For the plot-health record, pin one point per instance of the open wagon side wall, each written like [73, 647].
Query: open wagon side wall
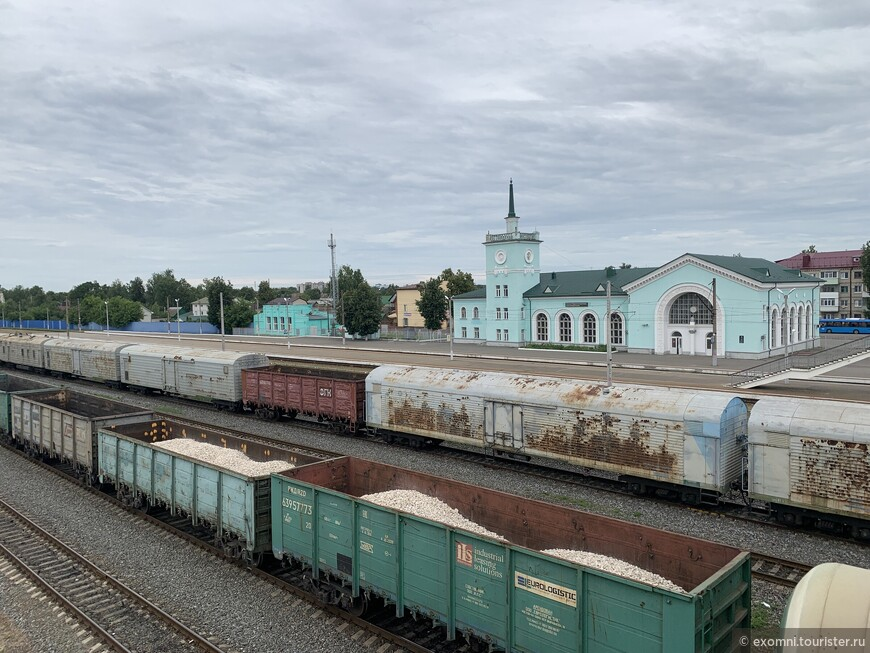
[10, 386]
[509, 594]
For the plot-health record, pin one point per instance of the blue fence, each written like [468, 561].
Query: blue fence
[134, 327]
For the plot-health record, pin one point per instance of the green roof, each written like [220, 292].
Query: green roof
[585, 282]
[757, 269]
[477, 293]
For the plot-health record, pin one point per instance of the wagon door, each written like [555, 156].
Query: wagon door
[504, 425]
[76, 362]
[170, 382]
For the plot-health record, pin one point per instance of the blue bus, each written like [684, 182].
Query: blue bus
[846, 325]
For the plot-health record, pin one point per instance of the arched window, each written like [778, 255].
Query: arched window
[542, 328]
[462, 313]
[617, 333]
[774, 318]
[792, 324]
[565, 331]
[476, 313]
[783, 329]
[808, 330]
[682, 313]
[590, 329]
[800, 323]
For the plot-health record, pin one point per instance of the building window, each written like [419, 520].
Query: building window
[829, 274]
[542, 328]
[464, 332]
[506, 335]
[498, 334]
[829, 302]
[477, 332]
[844, 274]
[858, 287]
[859, 303]
[844, 302]
[498, 291]
[858, 274]
[617, 333]
[565, 331]
[505, 313]
[498, 314]
[268, 323]
[682, 313]
[774, 318]
[476, 314]
[462, 313]
[844, 288]
[590, 329]
[505, 291]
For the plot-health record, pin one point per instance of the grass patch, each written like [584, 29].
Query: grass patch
[762, 616]
[548, 345]
[173, 411]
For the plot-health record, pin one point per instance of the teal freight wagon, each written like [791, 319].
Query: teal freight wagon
[233, 504]
[511, 596]
[15, 385]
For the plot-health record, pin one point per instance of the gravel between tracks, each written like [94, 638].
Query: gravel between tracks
[808, 548]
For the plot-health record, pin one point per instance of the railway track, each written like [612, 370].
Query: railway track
[116, 614]
[776, 570]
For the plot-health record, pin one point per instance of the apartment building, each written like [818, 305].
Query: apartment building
[845, 291]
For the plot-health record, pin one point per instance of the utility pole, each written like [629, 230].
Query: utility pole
[334, 284]
[715, 334]
[222, 322]
[67, 317]
[607, 340]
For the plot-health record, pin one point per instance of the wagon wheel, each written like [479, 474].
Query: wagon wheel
[355, 606]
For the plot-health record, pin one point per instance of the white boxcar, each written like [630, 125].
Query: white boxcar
[810, 461]
[208, 375]
[687, 441]
[63, 424]
[22, 350]
[88, 359]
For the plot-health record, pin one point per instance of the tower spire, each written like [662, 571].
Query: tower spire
[512, 219]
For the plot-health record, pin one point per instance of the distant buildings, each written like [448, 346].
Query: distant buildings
[289, 317]
[845, 291]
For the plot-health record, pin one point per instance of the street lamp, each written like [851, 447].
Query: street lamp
[787, 318]
[107, 318]
[450, 335]
[287, 324]
[178, 319]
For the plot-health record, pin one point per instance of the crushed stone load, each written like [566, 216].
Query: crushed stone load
[422, 505]
[615, 566]
[229, 459]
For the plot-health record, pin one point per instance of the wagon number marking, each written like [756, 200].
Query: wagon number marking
[298, 506]
[325, 392]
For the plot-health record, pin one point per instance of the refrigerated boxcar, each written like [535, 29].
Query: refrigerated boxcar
[11, 385]
[22, 350]
[235, 505]
[63, 424]
[87, 359]
[333, 394]
[688, 442]
[509, 595]
[207, 375]
[810, 460]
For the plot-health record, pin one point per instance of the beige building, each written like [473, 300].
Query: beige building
[845, 291]
[407, 313]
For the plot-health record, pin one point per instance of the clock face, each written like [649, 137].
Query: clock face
[500, 256]
[529, 256]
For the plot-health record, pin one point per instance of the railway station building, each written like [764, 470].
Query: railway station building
[760, 307]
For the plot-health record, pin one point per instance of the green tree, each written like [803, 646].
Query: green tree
[432, 303]
[239, 313]
[809, 250]
[865, 267]
[362, 310]
[265, 293]
[311, 293]
[213, 289]
[82, 290]
[136, 290]
[122, 311]
[457, 282]
[93, 310]
[348, 280]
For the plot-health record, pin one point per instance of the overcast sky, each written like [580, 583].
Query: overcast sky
[230, 138]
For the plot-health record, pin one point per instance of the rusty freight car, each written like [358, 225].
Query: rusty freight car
[333, 394]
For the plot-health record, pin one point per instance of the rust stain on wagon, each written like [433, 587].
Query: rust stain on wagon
[440, 420]
[597, 437]
[833, 470]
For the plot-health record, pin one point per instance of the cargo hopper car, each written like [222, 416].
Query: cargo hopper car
[504, 595]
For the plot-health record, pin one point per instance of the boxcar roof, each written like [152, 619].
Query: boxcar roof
[817, 418]
[81, 344]
[194, 353]
[646, 401]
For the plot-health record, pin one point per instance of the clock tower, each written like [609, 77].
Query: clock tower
[512, 267]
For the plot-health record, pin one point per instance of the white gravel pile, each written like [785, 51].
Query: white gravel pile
[229, 459]
[422, 505]
[615, 566]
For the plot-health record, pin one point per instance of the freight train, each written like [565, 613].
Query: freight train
[507, 590]
[806, 461]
